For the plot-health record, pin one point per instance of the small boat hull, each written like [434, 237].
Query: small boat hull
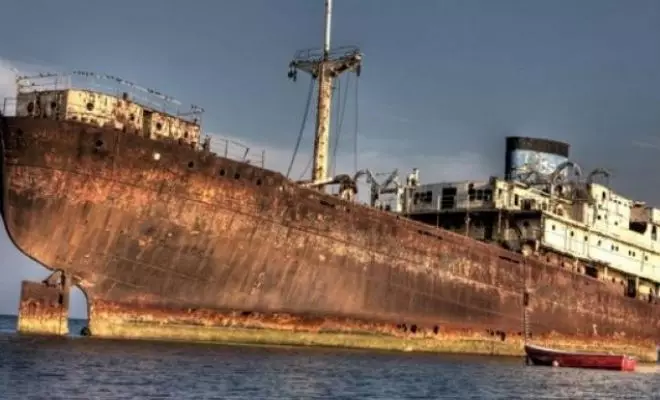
[537, 355]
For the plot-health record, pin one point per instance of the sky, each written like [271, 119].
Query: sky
[442, 84]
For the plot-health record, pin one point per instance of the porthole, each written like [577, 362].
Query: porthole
[258, 182]
[99, 143]
[191, 164]
[237, 176]
[159, 126]
[223, 172]
[90, 106]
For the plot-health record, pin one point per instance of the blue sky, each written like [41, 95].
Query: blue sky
[443, 81]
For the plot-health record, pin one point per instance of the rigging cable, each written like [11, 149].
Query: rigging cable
[355, 133]
[311, 157]
[340, 119]
[302, 126]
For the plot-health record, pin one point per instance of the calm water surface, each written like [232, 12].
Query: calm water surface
[83, 368]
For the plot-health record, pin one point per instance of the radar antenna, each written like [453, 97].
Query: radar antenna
[325, 65]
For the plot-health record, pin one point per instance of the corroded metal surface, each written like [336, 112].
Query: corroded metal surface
[188, 230]
[43, 309]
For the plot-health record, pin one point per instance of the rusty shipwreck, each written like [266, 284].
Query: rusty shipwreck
[167, 239]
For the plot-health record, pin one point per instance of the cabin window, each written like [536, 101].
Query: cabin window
[516, 199]
[499, 193]
[159, 126]
[553, 227]
[572, 234]
[646, 258]
[654, 233]
[600, 242]
[586, 238]
[480, 194]
[471, 192]
[448, 198]
[604, 196]
[488, 195]
[90, 106]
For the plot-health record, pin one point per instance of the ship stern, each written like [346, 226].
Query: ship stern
[4, 134]
[43, 306]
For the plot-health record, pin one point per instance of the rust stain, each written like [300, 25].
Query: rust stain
[43, 309]
[152, 237]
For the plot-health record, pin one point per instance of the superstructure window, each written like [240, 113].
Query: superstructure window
[448, 199]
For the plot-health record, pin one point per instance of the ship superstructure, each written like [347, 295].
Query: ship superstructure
[106, 101]
[547, 208]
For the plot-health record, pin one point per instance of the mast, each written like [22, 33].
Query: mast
[324, 66]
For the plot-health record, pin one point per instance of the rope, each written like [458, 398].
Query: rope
[355, 133]
[311, 157]
[302, 126]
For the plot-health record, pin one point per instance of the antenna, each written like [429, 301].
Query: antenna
[325, 65]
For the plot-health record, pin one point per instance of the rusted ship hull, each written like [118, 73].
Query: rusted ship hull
[167, 242]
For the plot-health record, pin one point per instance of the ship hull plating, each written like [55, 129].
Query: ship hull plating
[167, 242]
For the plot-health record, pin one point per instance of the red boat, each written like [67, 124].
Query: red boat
[537, 355]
